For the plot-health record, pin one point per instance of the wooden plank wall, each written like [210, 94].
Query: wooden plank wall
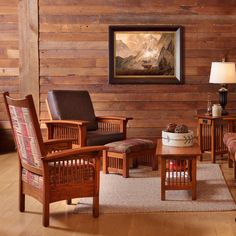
[9, 53]
[73, 50]
[29, 50]
[74, 55]
[9, 67]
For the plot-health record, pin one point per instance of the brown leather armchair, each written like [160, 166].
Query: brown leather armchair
[72, 116]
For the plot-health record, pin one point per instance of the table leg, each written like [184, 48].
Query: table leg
[163, 178]
[194, 178]
[200, 137]
[213, 158]
[190, 169]
[125, 166]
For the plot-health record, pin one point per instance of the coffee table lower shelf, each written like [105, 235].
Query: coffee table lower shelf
[177, 176]
[178, 168]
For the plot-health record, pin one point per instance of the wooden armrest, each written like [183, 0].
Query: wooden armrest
[73, 128]
[71, 152]
[56, 141]
[114, 118]
[67, 122]
[53, 145]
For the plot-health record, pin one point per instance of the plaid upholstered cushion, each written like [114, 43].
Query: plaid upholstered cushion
[25, 134]
[32, 179]
[230, 141]
[130, 145]
[228, 137]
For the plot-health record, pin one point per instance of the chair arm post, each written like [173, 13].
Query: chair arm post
[78, 127]
[123, 128]
[49, 131]
[82, 135]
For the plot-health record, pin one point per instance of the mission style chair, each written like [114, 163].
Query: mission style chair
[49, 171]
[72, 115]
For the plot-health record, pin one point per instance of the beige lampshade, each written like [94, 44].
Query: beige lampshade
[223, 73]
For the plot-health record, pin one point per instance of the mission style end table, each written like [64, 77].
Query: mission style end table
[211, 131]
[178, 167]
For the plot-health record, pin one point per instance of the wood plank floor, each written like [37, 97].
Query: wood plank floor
[64, 222]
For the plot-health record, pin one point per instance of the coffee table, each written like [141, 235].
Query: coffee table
[178, 167]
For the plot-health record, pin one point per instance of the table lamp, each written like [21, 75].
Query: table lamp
[223, 73]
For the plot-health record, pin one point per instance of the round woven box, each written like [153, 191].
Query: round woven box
[177, 139]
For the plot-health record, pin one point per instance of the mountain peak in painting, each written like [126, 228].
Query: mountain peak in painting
[122, 50]
[147, 55]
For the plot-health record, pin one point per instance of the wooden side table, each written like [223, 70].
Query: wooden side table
[211, 131]
[178, 168]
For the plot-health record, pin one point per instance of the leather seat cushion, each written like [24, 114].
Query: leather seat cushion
[101, 138]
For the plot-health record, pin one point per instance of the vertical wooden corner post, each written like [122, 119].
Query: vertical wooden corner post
[29, 49]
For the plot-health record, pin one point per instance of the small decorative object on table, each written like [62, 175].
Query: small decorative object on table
[177, 136]
[216, 110]
[209, 106]
[171, 127]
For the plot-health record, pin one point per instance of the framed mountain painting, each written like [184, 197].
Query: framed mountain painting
[145, 54]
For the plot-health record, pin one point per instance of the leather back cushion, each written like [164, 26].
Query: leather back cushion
[72, 105]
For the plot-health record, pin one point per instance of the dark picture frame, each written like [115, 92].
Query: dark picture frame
[145, 54]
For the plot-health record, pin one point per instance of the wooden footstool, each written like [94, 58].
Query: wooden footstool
[120, 153]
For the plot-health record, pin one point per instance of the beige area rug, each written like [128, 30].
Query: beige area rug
[141, 193]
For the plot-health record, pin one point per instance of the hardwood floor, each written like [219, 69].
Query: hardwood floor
[64, 222]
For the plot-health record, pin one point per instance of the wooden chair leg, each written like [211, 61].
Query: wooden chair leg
[22, 202]
[200, 157]
[234, 165]
[46, 214]
[134, 163]
[68, 201]
[154, 162]
[96, 206]
[21, 195]
[230, 160]
[104, 162]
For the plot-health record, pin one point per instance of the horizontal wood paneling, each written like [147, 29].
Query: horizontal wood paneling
[115, 7]
[9, 64]
[74, 55]
[73, 51]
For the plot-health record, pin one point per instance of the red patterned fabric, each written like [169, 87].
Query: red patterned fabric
[26, 139]
[130, 145]
[32, 179]
[230, 141]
